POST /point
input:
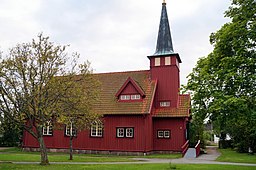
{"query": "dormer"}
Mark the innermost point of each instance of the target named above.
(130, 91)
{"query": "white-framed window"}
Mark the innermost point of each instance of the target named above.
(129, 132)
(97, 129)
(167, 61)
(157, 61)
(135, 97)
(125, 97)
(164, 134)
(165, 104)
(47, 128)
(120, 132)
(70, 130)
(160, 134)
(130, 97)
(125, 132)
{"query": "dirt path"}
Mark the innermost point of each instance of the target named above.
(3, 148)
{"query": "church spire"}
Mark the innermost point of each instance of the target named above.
(164, 41)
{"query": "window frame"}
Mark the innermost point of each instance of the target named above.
(165, 104)
(129, 134)
(74, 130)
(164, 136)
(98, 127)
(118, 132)
(126, 133)
(130, 97)
(125, 97)
(47, 129)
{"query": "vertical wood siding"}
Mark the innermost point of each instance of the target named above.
(168, 81)
(177, 126)
(142, 140)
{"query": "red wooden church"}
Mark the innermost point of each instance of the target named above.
(143, 111)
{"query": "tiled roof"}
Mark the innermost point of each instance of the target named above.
(112, 82)
(183, 109)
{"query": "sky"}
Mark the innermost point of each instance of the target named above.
(114, 35)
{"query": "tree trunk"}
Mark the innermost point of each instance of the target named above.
(71, 148)
(44, 156)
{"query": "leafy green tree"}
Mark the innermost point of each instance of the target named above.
(11, 133)
(223, 83)
(76, 104)
(38, 84)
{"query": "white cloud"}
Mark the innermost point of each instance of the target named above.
(114, 35)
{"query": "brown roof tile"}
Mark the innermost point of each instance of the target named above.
(112, 82)
(183, 109)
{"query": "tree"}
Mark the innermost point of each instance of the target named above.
(76, 104)
(10, 133)
(223, 83)
(37, 80)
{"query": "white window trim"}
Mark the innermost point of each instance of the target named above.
(119, 133)
(129, 132)
(165, 104)
(135, 97)
(125, 97)
(158, 134)
(164, 134)
(70, 129)
(98, 130)
(130, 97)
(47, 129)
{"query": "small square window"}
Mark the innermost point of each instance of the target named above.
(160, 134)
(164, 134)
(129, 132)
(135, 97)
(120, 132)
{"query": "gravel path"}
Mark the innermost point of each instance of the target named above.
(209, 158)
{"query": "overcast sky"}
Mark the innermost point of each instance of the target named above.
(114, 35)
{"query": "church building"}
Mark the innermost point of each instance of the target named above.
(142, 111)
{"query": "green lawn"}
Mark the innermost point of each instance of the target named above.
(15, 154)
(5, 166)
(228, 155)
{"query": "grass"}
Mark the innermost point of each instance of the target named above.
(7, 166)
(229, 155)
(17, 155)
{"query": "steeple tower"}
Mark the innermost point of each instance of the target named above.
(164, 65)
(164, 41)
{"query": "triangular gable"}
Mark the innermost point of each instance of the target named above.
(134, 84)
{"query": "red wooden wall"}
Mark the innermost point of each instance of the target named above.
(168, 80)
(177, 126)
(142, 141)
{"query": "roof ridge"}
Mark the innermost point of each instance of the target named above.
(122, 72)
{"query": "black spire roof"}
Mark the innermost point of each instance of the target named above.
(164, 40)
